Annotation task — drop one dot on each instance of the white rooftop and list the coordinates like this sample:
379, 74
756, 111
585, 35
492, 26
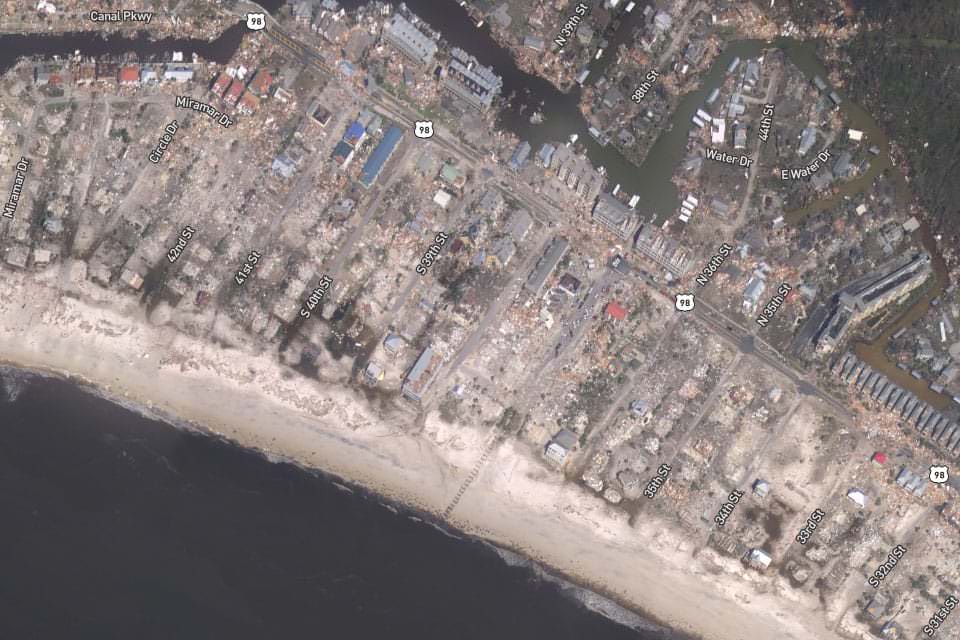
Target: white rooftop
442, 198
857, 496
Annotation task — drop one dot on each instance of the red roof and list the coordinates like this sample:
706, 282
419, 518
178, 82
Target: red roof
615, 311
223, 81
879, 457
261, 83
129, 74
233, 93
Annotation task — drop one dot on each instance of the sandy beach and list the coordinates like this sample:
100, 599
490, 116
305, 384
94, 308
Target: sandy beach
516, 503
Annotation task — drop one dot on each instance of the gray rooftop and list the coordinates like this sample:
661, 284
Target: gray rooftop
472, 81
548, 262
413, 42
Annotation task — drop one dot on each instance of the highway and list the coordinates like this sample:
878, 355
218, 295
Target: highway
709, 317
752, 345
405, 115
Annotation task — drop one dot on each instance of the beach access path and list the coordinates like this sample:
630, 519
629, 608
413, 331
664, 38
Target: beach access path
516, 502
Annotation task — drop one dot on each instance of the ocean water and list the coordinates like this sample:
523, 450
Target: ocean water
113, 525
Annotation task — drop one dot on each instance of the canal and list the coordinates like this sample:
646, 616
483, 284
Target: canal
874, 352
95, 45
651, 180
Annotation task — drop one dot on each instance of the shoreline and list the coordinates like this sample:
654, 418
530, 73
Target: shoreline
590, 598
251, 400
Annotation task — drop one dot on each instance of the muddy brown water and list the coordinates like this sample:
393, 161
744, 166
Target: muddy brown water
562, 116
874, 352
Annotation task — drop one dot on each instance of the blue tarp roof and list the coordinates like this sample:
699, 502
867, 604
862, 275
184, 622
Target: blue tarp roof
354, 133
380, 156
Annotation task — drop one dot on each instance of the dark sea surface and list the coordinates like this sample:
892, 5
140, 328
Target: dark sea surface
113, 525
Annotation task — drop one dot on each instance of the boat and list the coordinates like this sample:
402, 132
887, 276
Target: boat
599, 53
574, 137
616, 189
479, 24
630, 7
633, 201
598, 136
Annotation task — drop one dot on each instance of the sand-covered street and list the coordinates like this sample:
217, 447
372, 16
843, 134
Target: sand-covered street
254, 401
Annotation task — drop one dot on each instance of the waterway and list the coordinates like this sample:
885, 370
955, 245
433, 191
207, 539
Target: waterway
651, 180
96, 45
562, 117
623, 35
561, 110
874, 352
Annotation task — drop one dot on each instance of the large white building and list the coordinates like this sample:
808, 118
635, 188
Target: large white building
613, 215
411, 42
469, 80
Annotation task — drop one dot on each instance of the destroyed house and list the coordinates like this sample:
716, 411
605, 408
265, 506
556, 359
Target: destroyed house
248, 104
221, 83
233, 93
260, 85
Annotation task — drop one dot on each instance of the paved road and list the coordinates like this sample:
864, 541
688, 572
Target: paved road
755, 166
758, 348
753, 345
712, 318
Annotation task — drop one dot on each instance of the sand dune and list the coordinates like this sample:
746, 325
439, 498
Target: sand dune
515, 502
